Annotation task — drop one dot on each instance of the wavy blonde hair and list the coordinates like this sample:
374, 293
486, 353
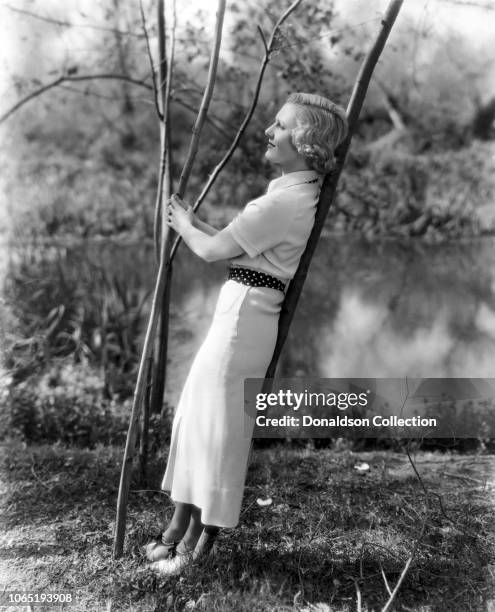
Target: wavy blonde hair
321, 127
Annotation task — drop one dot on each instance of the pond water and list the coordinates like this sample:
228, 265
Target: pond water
367, 310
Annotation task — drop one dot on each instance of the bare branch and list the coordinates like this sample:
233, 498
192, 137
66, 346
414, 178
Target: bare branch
165, 180
385, 578
67, 78
305, 41
210, 120
122, 77
423, 486
210, 83
69, 24
150, 57
487, 6
420, 536
386, 607
263, 39
280, 21
247, 118
167, 95
390, 105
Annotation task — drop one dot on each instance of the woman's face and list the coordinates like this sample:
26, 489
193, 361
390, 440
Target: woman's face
280, 150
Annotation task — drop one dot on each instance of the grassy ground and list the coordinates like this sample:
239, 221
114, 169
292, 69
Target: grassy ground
328, 535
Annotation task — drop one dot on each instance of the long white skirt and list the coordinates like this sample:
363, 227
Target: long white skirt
210, 445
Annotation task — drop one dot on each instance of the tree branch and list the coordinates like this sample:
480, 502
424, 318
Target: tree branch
247, 118
89, 77
150, 57
68, 24
210, 83
263, 40
209, 117
67, 78
487, 6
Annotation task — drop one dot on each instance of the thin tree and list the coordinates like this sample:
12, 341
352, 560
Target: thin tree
162, 233
329, 187
160, 286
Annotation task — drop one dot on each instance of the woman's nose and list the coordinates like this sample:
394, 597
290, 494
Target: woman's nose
268, 130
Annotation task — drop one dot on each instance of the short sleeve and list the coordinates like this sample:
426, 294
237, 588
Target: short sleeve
261, 225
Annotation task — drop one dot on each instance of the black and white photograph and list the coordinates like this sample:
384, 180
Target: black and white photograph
247, 305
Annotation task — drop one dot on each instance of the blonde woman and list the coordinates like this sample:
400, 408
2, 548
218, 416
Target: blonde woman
209, 446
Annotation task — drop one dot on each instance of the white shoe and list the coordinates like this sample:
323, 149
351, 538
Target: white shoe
175, 565
172, 567
158, 550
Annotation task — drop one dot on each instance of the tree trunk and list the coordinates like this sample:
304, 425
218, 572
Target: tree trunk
329, 186
483, 121
162, 281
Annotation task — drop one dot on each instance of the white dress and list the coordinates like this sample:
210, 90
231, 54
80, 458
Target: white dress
211, 437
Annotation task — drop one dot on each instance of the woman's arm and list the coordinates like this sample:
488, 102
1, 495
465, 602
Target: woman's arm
210, 247
204, 227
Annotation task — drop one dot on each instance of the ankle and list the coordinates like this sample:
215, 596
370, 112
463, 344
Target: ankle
173, 534
184, 547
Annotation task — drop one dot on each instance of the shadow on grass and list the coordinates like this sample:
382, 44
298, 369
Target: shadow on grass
54, 482
327, 532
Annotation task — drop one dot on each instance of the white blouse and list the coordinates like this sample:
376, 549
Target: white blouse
273, 229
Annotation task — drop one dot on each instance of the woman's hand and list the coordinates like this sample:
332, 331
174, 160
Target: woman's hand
180, 215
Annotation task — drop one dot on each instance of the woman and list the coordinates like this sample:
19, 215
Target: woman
209, 447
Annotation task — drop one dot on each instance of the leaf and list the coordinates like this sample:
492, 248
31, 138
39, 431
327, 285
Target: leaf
362, 467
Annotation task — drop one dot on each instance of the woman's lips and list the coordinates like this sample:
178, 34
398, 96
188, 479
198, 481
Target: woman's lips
270, 144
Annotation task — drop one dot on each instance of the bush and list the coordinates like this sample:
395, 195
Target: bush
391, 191
67, 404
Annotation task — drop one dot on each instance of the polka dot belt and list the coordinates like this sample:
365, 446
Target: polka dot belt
255, 278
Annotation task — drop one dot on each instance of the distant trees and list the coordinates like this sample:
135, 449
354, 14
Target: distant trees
87, 99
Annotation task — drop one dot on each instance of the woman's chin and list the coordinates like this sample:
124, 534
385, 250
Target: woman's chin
269, 156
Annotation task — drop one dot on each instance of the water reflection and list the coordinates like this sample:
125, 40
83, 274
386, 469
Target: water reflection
367, 310
382, 311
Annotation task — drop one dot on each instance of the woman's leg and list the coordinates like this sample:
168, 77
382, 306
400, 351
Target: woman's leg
196, 532
179, 523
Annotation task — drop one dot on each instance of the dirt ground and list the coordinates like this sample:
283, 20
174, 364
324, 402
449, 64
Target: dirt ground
337, 520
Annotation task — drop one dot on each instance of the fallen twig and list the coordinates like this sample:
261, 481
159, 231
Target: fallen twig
406, 566
460, 476
384, 578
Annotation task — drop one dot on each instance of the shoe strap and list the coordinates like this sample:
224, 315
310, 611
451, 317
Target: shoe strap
184, 553
169, 544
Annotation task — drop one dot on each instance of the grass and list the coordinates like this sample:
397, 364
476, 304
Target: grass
328, 534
